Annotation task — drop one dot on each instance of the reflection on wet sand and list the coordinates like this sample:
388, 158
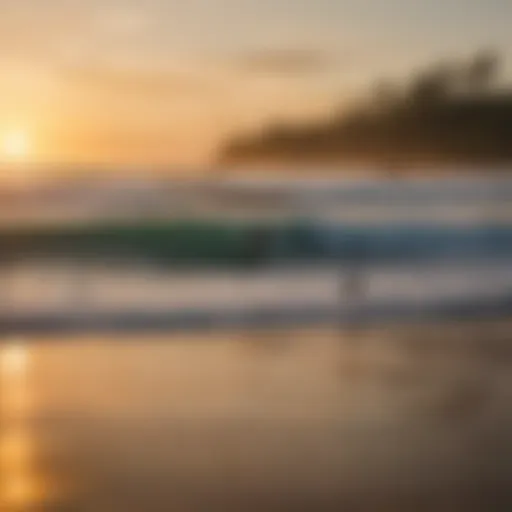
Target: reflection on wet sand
393, 420
18, 483
18, 486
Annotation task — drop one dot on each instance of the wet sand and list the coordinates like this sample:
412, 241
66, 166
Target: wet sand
387, 419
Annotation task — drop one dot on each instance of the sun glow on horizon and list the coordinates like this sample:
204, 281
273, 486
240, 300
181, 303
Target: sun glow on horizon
15, 146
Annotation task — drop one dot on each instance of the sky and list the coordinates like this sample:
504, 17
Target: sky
167, 81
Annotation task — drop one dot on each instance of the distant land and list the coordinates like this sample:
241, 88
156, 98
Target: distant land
449, 114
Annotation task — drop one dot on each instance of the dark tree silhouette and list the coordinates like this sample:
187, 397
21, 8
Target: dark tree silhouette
449, 112
433, 86
482, 71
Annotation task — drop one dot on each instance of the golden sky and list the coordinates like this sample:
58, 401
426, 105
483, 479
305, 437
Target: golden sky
166, 81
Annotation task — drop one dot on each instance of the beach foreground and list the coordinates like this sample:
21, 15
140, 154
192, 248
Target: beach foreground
394, 419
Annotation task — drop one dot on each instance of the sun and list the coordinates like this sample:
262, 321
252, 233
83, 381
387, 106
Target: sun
15, 145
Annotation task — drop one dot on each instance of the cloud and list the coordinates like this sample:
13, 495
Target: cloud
288, 61
137, 82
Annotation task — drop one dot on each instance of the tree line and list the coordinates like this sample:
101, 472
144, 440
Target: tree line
449, 112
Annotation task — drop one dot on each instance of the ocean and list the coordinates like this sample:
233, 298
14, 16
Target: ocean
356, 356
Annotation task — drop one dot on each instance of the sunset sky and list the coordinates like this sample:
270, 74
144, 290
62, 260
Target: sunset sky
164, 81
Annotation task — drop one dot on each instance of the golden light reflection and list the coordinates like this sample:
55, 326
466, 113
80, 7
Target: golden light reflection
18, 482
15, 396
13, 359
